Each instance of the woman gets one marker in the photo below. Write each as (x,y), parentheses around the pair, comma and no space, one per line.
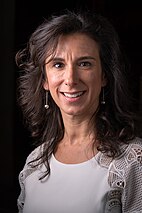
(75,100)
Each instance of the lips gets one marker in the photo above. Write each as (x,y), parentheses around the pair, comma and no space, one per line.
(73,95)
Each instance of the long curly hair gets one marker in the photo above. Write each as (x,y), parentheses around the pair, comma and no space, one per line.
(114,121)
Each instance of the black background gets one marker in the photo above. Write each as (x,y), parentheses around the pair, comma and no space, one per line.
(18,19)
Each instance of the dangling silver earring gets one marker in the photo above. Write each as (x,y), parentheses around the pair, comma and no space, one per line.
(103,96)
(46,100)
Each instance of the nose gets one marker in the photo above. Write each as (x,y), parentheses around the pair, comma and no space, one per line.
(71,76)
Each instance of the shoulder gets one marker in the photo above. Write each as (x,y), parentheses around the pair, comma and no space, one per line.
(35,153)
(137,141)
(28,169)
(131,153)
(128,166)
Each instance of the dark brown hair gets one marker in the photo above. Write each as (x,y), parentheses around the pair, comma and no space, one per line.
(114,121)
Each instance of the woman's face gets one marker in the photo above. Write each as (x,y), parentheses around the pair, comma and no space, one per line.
(74,75)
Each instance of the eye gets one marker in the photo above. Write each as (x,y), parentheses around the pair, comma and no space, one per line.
(85,64)
(58,65)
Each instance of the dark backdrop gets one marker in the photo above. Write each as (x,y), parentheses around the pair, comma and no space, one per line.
(18,19)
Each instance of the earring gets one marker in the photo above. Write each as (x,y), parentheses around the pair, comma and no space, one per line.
(103,96)
(46,100)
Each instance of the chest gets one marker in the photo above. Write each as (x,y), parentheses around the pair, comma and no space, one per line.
(74,154)
(70,188)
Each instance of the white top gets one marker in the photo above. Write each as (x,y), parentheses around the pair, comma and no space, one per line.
(71,188)
(99,185)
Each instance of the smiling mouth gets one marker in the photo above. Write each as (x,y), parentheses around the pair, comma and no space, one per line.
(73,95)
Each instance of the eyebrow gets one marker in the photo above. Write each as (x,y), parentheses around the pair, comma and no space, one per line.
(80,58)
(86,57)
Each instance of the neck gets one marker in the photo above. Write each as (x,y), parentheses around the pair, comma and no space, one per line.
(78,132)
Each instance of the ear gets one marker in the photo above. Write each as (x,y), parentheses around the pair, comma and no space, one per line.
(45,85)
(104,80)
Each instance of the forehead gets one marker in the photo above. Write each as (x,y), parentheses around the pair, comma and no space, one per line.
(79,43)
(74,45)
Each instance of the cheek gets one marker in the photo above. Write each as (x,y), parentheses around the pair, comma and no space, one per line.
(53,81)
(96,84)
(94,79)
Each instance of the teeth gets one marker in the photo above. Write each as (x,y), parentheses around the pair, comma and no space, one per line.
(73,95)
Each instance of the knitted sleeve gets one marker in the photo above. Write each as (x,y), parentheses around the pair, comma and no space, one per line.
(26,171)
(132,196)
(125,176)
